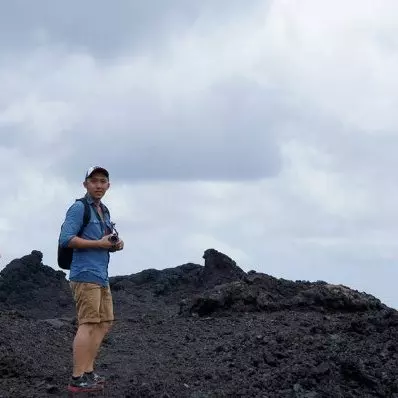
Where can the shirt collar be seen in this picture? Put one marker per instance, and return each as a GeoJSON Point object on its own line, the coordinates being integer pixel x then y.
{"type": "Point", "coordinates": [90, 200]}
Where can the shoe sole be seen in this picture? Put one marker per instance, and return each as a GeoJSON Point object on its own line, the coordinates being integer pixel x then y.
{"type": "Point", "coordinates": [79, 389]}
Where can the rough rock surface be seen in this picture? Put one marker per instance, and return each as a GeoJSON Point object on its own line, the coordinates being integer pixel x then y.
{"type": "Point", "coordinates": [36, 289]}
{"type": "Point", "coordinates": [201, 331]}
{"type": "Point", "coordinates": [260, 292]}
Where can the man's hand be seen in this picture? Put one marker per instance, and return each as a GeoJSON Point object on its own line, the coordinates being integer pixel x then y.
{"type": "Point", "coordinates": [105, 243]}
{"type": "Point", "coordinates": [120, 245]}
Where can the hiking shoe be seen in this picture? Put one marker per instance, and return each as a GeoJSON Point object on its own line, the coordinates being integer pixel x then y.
{"type": "Point", "coordinates": [95, 377]}
{"type": "Point", "coordinates": [83, 384]}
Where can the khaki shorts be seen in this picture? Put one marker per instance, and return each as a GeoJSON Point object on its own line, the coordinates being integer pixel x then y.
{"type": "Point", "coordinates": [94, 303]}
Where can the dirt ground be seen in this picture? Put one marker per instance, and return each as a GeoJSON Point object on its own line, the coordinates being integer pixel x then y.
{"type": "Point", "coordinates": [198, 332]}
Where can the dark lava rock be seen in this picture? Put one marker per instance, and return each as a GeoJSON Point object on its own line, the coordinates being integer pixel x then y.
{"type": "Point", "coordinates": [160, 282]}
{"type": "Point", "coordinates": [236, 335]}
{"type": "Point", "coordinates": [260, 292]}
{"type": "Point", "coordinates": [185, 278]}
{"type": "Point", "coordinates": [33, 288]}
{"type": "Point", "coordinates": [173, 285]}
{"type": "Point", "coordinates": [219, 268]}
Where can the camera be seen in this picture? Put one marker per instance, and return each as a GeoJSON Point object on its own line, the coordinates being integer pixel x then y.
{"type": "Point", "coordinates": [114, 238]}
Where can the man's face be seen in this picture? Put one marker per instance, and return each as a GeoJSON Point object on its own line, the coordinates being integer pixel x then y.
{"type": "Point", "coordinates": [97, 185]}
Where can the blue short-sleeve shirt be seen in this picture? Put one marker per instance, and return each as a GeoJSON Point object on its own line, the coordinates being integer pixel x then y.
{"type": "Point", "coordinates": [88, 265]}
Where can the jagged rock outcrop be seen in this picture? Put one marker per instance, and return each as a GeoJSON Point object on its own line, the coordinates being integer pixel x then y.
{"type": "Point", "coordinates": [261, 292]}
{"type": "Point", "coordinates": [35, 289]}
{"type": "Point", "coordinates": [219, 269]}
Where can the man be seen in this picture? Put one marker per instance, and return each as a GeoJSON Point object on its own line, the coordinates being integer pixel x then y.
{"type": "Point", "coordinates": [89, 278]}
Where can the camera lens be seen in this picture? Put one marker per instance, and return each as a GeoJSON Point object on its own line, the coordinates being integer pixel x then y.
{"type": "Point", "coordinates": [113, 238]}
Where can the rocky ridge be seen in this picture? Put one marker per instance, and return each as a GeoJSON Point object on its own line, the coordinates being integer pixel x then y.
{"type": "Point", "coordinates": [201, 331]}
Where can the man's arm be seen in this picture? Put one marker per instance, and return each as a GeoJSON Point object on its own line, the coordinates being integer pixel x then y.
{"type": "Point", "coordinates": [70, 228]}
{"type": "Point", "coordinates": [80, 243]}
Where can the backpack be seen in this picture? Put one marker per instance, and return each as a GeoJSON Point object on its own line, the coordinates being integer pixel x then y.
{"type": "Point", "coordinates": [65, 254]}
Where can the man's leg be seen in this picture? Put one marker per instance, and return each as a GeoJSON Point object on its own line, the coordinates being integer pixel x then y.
{"type": "Point", "coordinates": [98, 335]}
{"type": "Point", "coordinates": [88, 299]}
{"type": "Point", "coordinates": [83, 348]}
{"type": "Point", "coordinates": [106, 317]}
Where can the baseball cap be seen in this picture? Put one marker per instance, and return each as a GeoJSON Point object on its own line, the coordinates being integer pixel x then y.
{"type": "Point", "coordinates": [91, 170]}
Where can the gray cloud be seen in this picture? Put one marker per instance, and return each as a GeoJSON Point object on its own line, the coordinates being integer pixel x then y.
{"type": "Point", "coordinates": [228, 132]}
{"type": "Point", "coordinates": [229, 135]}
{"type": "Point", "coordinates": [100, 27]}
{"type": "Point", "coordinates": [225, 132]}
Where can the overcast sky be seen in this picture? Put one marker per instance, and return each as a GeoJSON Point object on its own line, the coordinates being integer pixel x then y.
{"type": "Point", "coordinates": [263, 129]}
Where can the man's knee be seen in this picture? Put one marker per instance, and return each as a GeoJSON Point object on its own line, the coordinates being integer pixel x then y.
{"type": "Point", "coordinates": [106, 326]}
{"type": "Point", "coordinates": [87, 328]}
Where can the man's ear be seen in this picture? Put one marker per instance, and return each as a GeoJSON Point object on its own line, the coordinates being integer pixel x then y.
{"type": "Point", "coordinates": [85, 184]}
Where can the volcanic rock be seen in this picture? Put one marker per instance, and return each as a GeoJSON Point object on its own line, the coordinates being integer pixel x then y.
{"type": "Point", "coordinates": [219, 268]}
{"type": "Point", "coordinates": [260, 292]}
{"type": "Point", "coordinates": [35, 289]}
{"type": "Point", "coordinates": [201, 331]}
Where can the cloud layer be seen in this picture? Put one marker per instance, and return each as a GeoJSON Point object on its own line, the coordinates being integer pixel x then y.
{"type": "Point", "coordinates": [266, 130]}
